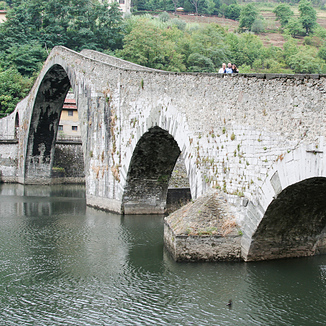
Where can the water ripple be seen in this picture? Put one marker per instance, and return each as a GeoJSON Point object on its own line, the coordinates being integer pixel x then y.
{"type": "Point", "coordinates": [66, 265]}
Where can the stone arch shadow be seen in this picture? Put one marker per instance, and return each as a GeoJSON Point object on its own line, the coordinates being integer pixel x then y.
{"type": "Point", "coordinates": [44, 120]}
{"type": "Point", "coordinates": [288, 217]}
{"type": "Point", "coordinates": [16, 130]}
{"type": "Point", "coordinates": [150, 169]}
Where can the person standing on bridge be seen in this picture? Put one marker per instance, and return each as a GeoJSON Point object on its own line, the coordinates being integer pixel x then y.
{"type": "Point", "coordinates": [222, 70]}
{"type": "Point", "coordinates": [228, 70]}
{"type": "Point", "coordinates": [235, 70]}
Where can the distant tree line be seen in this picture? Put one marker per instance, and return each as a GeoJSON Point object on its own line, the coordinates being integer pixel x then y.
{"type": "Point", "coordinates": [171, 44]}
{"type": "Point", "coordinates": [228, 8]}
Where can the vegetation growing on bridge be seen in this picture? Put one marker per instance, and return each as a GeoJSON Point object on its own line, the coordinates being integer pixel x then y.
{"type": "Point", "coordinates": [164, 41]}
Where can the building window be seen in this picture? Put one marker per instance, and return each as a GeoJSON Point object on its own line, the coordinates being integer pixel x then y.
{"type": "Point", "coordinates": [74, 128]}
{"type": "Point", "coordinates": [60, 127]}
{"type": "Point", "coordinates": [121, 1]}
{"type": "Point", "coordinates": [70, 113]}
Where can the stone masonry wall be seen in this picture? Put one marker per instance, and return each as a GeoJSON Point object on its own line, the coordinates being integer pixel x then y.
{"type": "Point", "coordinates": [8, 161]}
{"type": "Point", "coordinates": [229, 142]}
{"type": "Point", "coordinates": [69, 156]}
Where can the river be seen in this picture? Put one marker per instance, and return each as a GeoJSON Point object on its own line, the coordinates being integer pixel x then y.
{"type": "Point", "coordinates": [62, 263]}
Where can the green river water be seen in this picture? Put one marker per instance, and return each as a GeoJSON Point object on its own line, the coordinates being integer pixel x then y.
{"type": "Point", "coordinates": [62, 263]}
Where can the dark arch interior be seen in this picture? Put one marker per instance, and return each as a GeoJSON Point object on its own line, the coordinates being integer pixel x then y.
{"type": "Point", "coordinates": [150, 169]}
{"type": "Point", "coordinates": [294, 223]}
{"type": "Point", "coordinates": [45, 118]}
{"type": "Point", "coordinates": [16, 124]}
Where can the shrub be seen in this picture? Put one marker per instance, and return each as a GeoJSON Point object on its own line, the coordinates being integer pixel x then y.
{"type": "Point", "coordinates": [257, 26]}
{"type": "Point", "coordinates": [233, 12]}
{"type": "Point", "coordinates": [164, 17]}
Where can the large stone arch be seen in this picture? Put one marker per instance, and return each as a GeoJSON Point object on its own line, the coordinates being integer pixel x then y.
{"type": "Point", "coordinates": [149, 172]}
{"type": "Point", "coordinates": [43, 126]}
{"type": "Point", "coordinates": [287, 218]}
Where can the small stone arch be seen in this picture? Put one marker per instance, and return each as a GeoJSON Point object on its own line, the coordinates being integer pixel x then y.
{"type": "Point", "coordinates": [288, 216]}
{"type": "Point", "coordinates": [16, 132]}
{"type": "Point", "coordinates": [150, 168]}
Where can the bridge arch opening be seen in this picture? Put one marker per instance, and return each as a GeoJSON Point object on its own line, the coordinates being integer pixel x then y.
{"type": "Point", "coordinates": [16, 125]}
{"type": "Point", "coordinates": [44, 125]}
{"type": "Point", "coordinates": [150, 169]}
{"type": "Point", "coordinates": [294, 224]}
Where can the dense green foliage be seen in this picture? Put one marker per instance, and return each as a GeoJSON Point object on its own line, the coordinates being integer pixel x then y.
{"type": "Point", "coordinates": [248, 15]}
{"type": "Point", "coordinates": [303, 25]}
{"type": "Point", "coordinates": [283, 13]}
{"type": "Point", "coordinates": [233, 12]}
{"type": "Point", "coordinates": [73, 23]}
{"type": "Point", "coordinates": [13, 87]}
{"type": "Point", "coordinates": [33, 27]}
{"type": "Point", "coordinates": [203, 48]}
{"type": "Point", "coordinates": [308, 16]}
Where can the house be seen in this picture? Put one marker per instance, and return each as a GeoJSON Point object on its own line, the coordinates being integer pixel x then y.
{"type": "Point", "coordinates": [125, 5]}
{"type": "Point", "coordinates": [69, 122]}
{"type": "Point", "coordinates": [3, 14]}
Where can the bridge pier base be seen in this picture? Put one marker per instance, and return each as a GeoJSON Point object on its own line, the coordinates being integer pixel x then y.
{"type": "Point", "coordinates": [134, 208]}
{"type": "Point", "coordinates": [112, 205]}
{"type": "Point", "coordinates": [36, 180]}
{"type": "Point", "coordinates": [203, 231]}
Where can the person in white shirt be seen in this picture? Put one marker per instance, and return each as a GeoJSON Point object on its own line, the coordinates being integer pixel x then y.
{"type": "Point", "coordinates": [222, 70]}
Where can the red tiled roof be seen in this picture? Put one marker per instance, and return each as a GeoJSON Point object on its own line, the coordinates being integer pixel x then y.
{"type": "Point", "coordinates": [70, 100]}
{"type": "Point", "coordinates": [67, 106]}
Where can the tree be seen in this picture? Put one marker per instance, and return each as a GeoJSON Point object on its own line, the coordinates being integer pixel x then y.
{"type": "Point", "coordinates": [199, 63]}
{"type": "Point", "coordinates": [322, 53]}
{"type": "Point", "coordinates": [244, 48]}
{"type": "Point", "coordinates": [147, 45]}
{"type": "Point", "coordinates": [283, 13]}
{"type": "Point", "coordinates": [257, 26]}
{"type": "Point", "coordinates": [195, 3]}
{"type": "Point", "coordinates": [223, 9]}
{"type": "Point", "coordinates": [35, 26]}
{"type": "Point", "coordinates": [233, 12]}
{"type": "Point", "coordinates": [26, 58]}
{"type": "Point", "coordinates": [305, 61]}
{"type": "Point", "coordinates": [175, 4]}
{"type": "Point", "coordinates": [248, 15]}
{"type": "Point", "coordinates": [294, 27]}
{"type": "Point", "coordinates": [210, 7]}
{"type": "Point", "coordinates": [308, 16]}
{"type": "Point", "coordinates": [290, 47]}
{"type": "Point", "coordinates": [13, 87]}
{"type": "Point", "coordinates": [207, 43]}
{"type": "Point", "coordinates": [73, 23]}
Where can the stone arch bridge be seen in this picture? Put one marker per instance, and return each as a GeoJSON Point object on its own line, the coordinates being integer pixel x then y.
{"type": "Point", "coordinates": [259, 139]}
